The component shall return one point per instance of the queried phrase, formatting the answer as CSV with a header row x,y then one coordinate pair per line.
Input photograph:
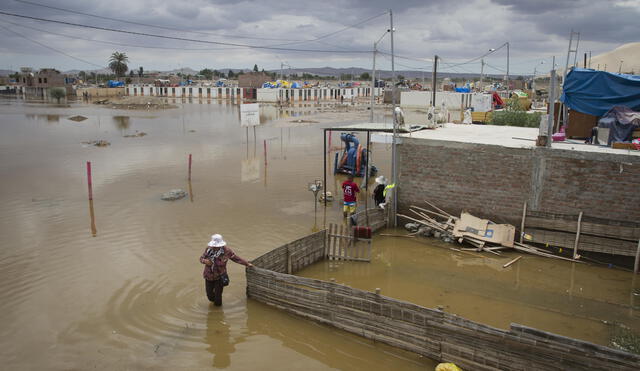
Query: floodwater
x,y
124,289
570,299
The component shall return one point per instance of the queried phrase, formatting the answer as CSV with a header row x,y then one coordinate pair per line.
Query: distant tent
x,y
596,92
115,84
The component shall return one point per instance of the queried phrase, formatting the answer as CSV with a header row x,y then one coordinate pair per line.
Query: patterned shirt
x,y
219,259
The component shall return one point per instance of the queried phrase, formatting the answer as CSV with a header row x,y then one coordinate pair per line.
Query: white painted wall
x,y
268,95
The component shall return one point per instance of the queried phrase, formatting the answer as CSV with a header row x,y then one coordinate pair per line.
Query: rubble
x,y
174,194
482,234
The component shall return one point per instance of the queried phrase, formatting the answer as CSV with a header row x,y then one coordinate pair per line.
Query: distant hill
x,y
6,72
628,53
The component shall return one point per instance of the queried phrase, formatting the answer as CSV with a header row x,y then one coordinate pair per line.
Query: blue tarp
x,y
596,92
463,90
115,84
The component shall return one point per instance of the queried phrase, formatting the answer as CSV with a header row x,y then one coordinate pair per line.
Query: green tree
x,y
231,74
255,68
400,78
118,64
365,76
207,73
140,71
131,73
57,93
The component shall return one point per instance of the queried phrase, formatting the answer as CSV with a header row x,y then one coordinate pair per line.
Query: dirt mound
x,y
147,103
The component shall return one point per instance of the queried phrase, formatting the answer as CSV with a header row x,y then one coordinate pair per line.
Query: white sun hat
x,y
216,241
381,180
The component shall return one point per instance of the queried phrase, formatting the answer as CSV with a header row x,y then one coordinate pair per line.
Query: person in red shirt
x,y
349,190
215,259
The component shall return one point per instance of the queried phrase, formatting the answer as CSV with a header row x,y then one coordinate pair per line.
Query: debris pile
x,y
174,194
136,135
98,143
77,118
482,234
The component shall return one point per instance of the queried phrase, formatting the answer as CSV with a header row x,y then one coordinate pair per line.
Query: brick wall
x,y
493,181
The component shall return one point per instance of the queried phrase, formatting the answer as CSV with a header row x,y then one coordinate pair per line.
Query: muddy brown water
x,y
570,299
124,291
132,296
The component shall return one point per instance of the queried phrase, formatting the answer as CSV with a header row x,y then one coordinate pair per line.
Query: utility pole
x,y
394,167
585,61
434,78
481,74
281,67
552,103
508,88
373,82
620,67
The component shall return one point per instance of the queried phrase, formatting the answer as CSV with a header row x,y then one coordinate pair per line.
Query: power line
x,y
50,48
348,27
149,25
482,56
183,38
495,68
292,41
113,42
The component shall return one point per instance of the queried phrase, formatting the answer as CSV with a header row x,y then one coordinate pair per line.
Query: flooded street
x,y
128,293
124,289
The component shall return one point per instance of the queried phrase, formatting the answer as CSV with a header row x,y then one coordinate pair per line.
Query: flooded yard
x,y
575,300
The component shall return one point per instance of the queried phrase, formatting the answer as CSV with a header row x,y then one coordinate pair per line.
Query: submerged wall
x,y
494,181
428,332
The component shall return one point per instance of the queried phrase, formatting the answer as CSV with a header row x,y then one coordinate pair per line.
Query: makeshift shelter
x,y
596,92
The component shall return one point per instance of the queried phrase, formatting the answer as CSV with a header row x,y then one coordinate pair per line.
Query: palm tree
x,y
118,64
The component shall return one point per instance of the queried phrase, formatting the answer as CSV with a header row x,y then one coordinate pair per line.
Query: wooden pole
x,y
575,245
511,262
524,215
189,166
265,152
89,181
636,266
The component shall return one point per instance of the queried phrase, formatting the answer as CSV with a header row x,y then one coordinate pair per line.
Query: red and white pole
x,y
189,166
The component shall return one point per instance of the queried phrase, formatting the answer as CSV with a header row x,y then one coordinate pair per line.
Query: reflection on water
x,y
92,216
122,122
43,117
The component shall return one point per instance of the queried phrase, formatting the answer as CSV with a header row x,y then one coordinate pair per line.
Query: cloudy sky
x,y
457,31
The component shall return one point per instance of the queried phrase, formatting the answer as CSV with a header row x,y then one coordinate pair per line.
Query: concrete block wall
x,y
493,181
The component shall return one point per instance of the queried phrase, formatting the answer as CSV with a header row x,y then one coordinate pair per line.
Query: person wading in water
x,y
215,259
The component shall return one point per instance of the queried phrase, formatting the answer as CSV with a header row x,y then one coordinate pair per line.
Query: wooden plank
x,y
524,216
333,241
587,242
340,243
575,246
512,261
327,243
636,265
624,230
438,209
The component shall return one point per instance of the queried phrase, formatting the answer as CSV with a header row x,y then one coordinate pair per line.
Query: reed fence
x,y
429,332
